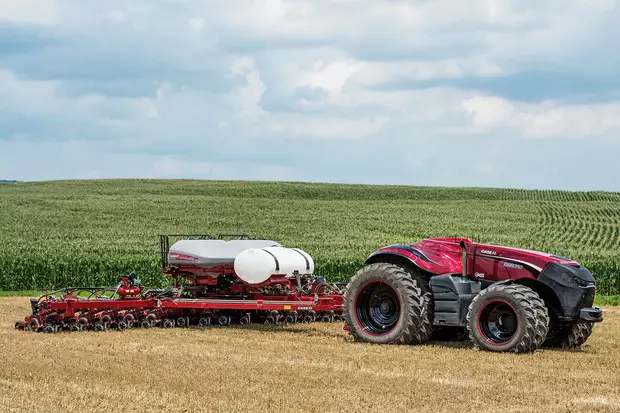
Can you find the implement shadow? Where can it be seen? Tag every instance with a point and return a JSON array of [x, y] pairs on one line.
[[308, 330]]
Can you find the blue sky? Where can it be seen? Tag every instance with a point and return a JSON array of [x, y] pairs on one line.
[[496, 93]]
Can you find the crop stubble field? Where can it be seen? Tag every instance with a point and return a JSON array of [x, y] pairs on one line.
[[85, 233], [298, 368]]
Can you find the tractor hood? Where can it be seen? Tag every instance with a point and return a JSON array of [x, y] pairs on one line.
[[443, 255], [452, 245]]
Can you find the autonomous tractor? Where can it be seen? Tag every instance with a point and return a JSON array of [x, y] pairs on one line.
[[504, 299]]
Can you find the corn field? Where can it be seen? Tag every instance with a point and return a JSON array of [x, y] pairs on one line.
[[87, 233]]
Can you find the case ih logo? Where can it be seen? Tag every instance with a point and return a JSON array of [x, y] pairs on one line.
[[176, 256], [488, 252]]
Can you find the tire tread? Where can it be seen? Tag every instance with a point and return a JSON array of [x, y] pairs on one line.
[[536, 314], [413, 295], [571, 336]]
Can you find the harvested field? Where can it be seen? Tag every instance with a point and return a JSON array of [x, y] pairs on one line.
[[309, 368]]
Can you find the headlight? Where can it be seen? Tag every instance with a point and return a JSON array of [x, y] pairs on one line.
[[580, 282]]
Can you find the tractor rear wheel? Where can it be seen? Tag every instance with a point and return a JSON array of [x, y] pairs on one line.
[[508, 318], [383, 305], [569, 336]]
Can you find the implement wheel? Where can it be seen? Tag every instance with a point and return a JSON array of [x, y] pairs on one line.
[[49, 329], [383, 305], [508, 318]]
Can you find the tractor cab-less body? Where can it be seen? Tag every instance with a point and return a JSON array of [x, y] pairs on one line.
[[508, 299]]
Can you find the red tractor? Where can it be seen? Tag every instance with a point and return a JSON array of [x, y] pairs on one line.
[[506, 299]]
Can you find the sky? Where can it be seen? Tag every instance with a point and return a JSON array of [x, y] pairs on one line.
[[476, 93]]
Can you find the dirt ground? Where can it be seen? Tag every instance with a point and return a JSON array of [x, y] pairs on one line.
[[309, 368]]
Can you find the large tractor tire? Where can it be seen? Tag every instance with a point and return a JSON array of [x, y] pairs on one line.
[[428, 308], [508, 318], [569, 336], [383, 305]]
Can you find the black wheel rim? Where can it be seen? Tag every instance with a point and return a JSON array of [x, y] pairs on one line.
[[498, 322], [377, 308]]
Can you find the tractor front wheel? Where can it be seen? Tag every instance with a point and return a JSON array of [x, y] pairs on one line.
[[383, 305], [569, 336], [508, 318]]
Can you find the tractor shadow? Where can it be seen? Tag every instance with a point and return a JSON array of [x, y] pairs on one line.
[[445, 337], [450, 337], [458, 344]]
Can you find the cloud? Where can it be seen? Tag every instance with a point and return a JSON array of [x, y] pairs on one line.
[[412, 92], [544, 120], [29, 11], [524, 86], [15, 39]]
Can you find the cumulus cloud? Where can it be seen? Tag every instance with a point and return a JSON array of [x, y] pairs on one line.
[[378, 91], [545, 120]]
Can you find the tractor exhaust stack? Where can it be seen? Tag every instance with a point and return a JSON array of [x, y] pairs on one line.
[[463, 259]]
